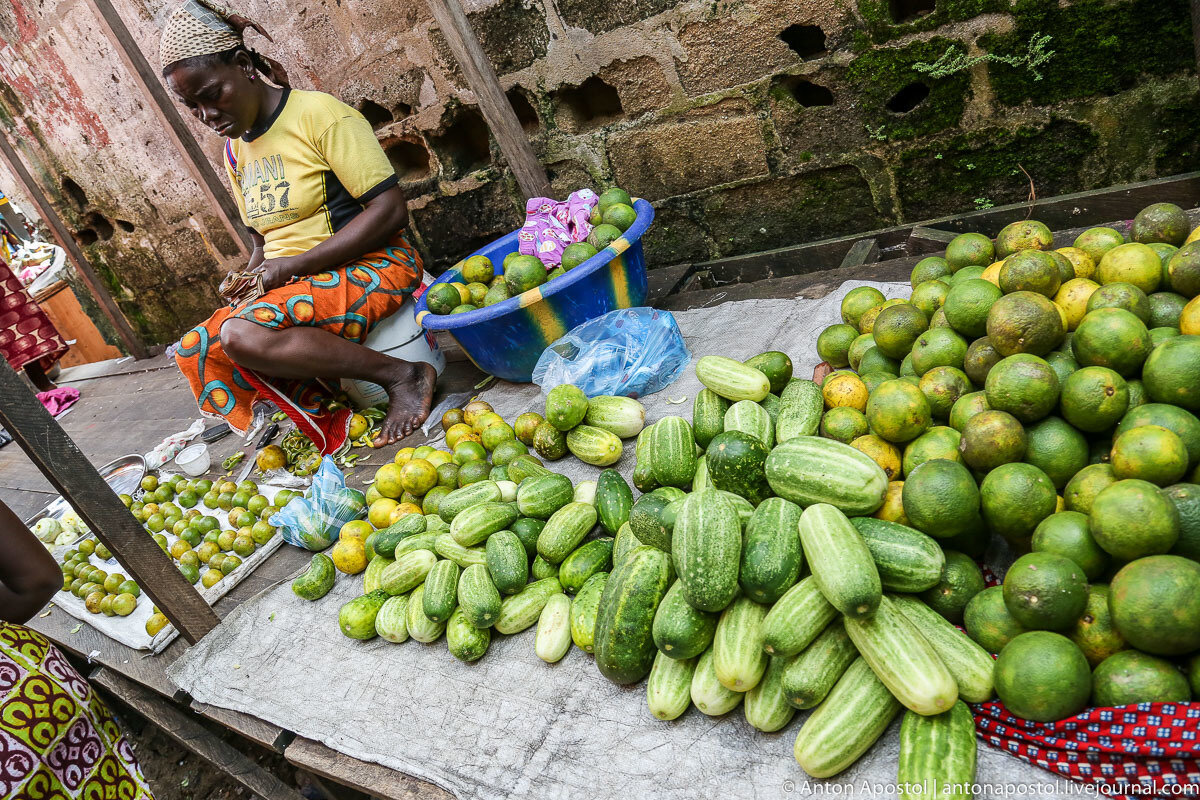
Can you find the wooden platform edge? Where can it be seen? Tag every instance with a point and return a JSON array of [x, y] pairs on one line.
[[374, 779], [256, 730]]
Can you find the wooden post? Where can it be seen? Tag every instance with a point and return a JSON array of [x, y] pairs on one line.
[[60, 460], [498, 112], [67, 242], [215, 189]]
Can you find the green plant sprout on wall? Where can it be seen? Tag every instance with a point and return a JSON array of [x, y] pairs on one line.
[[876, 133], [954, 61]]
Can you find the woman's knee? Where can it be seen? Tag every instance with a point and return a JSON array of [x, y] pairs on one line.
[[242, 341]]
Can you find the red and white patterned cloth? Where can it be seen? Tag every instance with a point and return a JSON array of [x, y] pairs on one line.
[[26, 333]]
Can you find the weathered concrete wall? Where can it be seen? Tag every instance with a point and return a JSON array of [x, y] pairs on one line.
[[751, 124]]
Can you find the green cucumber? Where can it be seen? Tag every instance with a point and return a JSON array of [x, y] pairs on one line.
[[441, 591], [775, 365], [316, 581], [973, 669], [800, 408], [624, 646], [594, 446], [669, 687], [406, 572], [622, 416], [470, 495], [766, 706], [465, 641], [540, 569], [542, 495], [810, 469], [840, 561], [752, 419], [357, 617], [701, 480], [528, 530], [420, 627], [771, 403], [937, 754], [585, 492], [814, 671], [478, 597], [507, 562], [743, 507], [738, 656], [519, 611], [422, 541], [680, 631], [386, 540], [903, 659], [852, 717], [391, 622], [736, 462], [646, 521], [708, 694], [584, 562], [475, 524], [706, 546], [708, 416], [584, 609], [907, 560], [525, 466], [771, 554], [435, 524], [643, 471], [731, 379], [623, 543], [373, 574], [446, 546], [796, 619], [672, 452], [614, 500], [565, 530], [554, 629]]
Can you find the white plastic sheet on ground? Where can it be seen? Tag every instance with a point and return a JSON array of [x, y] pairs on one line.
[[510, 726]]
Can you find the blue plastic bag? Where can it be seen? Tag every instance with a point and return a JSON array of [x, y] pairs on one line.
[[631, 351], [314, 520]]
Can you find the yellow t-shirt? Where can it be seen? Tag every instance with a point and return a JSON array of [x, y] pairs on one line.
[[309, 171]]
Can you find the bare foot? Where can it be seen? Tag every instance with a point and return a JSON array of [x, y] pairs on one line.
[[410, 394]]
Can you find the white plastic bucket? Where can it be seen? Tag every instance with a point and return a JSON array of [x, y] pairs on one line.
[[399, 336]]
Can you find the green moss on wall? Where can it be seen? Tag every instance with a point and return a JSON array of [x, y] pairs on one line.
[[1178, 140], [985, 166], [882, 26], [880, 73], [1099, 47]]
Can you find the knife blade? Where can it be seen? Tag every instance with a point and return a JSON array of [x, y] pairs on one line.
[[271, 431]]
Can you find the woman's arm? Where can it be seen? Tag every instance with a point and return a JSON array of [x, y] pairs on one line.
[[382, 217], [256, 255], [29, 575]]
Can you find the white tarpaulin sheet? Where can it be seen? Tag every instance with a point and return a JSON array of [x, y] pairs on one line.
[[509, 725]]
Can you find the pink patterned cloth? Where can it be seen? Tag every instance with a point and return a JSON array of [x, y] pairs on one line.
[[550, 225]]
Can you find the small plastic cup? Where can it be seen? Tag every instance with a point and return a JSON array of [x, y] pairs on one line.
[[193, 459]]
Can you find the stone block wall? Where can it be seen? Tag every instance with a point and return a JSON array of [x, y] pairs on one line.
[[751, 124]]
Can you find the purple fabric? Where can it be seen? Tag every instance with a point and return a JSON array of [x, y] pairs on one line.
[[550, 225]]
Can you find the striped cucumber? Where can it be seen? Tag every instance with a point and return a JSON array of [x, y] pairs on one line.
[[584, 562], [623, 543], [422, 541], [475, 524], [565, 529], [810, 469], [373, 575], [800, 409], [813, 672], [554, 629], [622, 416], [840, 561], [525, 466], [542, 495], [706, 546], [771, 404], [903, 659], [643, 471], [624, 646], [646, 520], [743, 507], [973, 669], [508, 489], [796, 619], [584, 609], [507, 562], [679, 630], [709, 695], [738, 655], [708, 416], [521, 610], [731, 379], [406, 572], [669, 687], [852, 717], [767, 708], [465, 641], [937, 754], [585, 492], [420, 627], [478, 597], [672, 452], [391, 623], [470, 495], [441, 591], [448, 547], [614, 500], [528, 530], [541, 569], [771, 554], [907, 560], [701, 479], [752, 419], [594, 446]]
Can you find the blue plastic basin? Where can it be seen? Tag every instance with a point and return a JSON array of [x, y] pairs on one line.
[[506, 339]]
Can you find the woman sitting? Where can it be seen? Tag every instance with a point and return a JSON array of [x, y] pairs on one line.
[[328, 224]]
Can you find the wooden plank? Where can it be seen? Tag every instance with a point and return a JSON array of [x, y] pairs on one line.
[[927, 240], [498, 112], [256, 730], [864, 251], [62, 307], [195, 737], [374, 779], [67, 242], [666, 281], [60, 460], [148, 79]]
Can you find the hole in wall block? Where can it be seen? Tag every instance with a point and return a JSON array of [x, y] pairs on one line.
[[86, 236], [464, 147], [808, 41], [409, 159], [74, 191], [809, 94], [908, 98], [125, 225], [376, 114], [908, 10], [592, 104], [100, 224], [401, 111], [526, 114]]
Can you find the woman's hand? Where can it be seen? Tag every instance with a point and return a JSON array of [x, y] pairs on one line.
[[278, 271]]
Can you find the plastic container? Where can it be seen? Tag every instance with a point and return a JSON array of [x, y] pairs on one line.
[[399, 336], [506, 339], [193, 459]]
